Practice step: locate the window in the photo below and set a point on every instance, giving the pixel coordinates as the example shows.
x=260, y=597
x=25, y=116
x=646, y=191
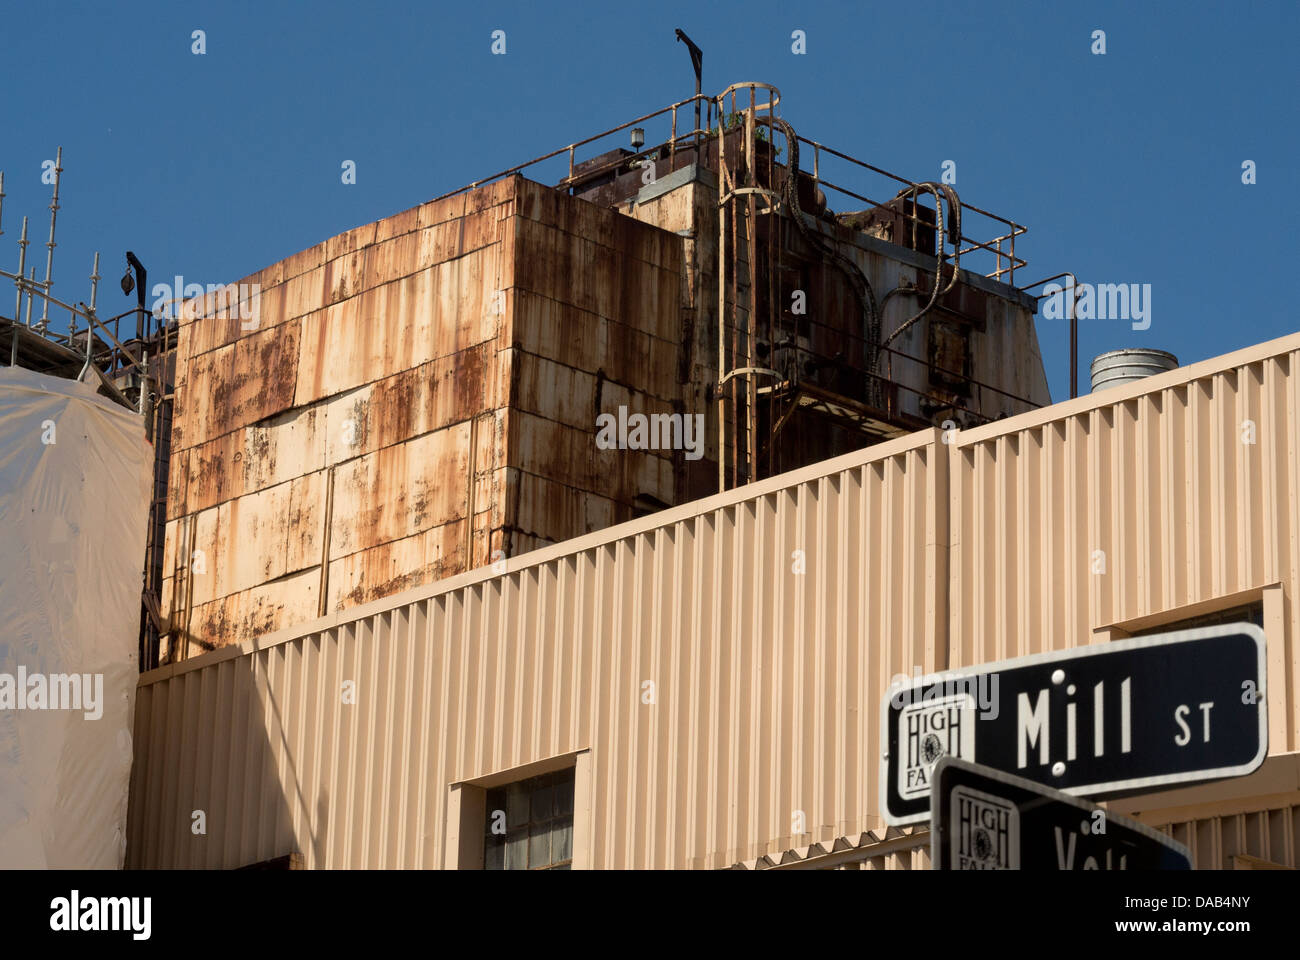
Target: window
x=529, y=824
x=1249, y=612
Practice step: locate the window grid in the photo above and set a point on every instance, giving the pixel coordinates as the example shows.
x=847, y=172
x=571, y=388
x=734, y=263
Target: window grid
x=536, y=816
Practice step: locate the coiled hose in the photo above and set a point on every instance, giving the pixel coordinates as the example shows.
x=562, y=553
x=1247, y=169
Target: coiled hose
x=941, y=192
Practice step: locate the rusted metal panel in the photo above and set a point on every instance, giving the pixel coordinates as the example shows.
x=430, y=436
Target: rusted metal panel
x=435, y=313
x=672, y=211
x=553, y=510
x=440, y=211
x=214, y=472
x=184, y=340
x=410, y=350
x=236, y=385
x=446, y=241
x=358, y=238
x=177, y=482
x=257, y=538
x=556, y=391
x=587, y=342
x=305, y=261
x=491, y=194
x=474, y=232
x=344, y=275
x=581, y=273
x=399, y=490
x=602, y=226
x=433, y=395
x=257, y=611
x=570, y=458
x=305, y=524
x=270, y=276
x=222, y=318
x=260, y=381
x=488, y=534
x=407, y=351
x=284, y=447
x=395, y=565
x=552, y=450
x=393, y=260
x=464, y=296
x=304, y=293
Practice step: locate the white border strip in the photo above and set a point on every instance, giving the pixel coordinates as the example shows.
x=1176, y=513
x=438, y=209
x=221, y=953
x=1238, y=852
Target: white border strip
x=1051, y=793
x=1081, y=653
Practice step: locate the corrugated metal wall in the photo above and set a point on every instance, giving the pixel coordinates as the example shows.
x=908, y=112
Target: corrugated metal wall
x=1135, y=501
x=1270, y=834
x=767, y=680
x=763, y=707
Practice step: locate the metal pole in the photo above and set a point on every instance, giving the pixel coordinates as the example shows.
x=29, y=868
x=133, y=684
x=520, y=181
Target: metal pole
x=94, y=293
x=697, y=61
x=94, y=282
x=22, y=272
x=722, y=306
x=90, y=331
x=49, y=247
x=1074, y=341
x=31, y=282
x=144, y=383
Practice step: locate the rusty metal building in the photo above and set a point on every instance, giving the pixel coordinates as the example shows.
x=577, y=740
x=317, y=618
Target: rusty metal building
x=420, y=396
x=768, y=621
x=430, y=598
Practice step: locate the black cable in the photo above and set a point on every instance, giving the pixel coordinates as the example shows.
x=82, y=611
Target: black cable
x=940, y=191
x=857, y=279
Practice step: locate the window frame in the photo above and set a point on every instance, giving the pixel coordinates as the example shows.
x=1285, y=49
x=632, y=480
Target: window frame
x=466, y=818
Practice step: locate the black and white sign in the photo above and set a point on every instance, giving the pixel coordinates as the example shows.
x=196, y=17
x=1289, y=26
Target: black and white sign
x=984, y=819
x=1103, y=720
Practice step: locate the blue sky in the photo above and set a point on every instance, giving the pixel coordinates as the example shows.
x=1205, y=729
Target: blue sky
x=1125, y=167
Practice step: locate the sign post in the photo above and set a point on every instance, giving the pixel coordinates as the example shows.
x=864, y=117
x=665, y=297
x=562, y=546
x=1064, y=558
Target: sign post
x=1103, y=721
x=987, y=820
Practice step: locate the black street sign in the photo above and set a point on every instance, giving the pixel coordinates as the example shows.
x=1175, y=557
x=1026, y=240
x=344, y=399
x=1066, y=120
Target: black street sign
x=984, y=819
x=1104, y=720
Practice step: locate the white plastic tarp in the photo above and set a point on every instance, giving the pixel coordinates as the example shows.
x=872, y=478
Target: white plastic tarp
x=75, y=477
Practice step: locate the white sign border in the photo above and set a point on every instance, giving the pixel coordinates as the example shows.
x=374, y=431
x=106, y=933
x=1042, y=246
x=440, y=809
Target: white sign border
x=1080, y=653
x=1051, y=793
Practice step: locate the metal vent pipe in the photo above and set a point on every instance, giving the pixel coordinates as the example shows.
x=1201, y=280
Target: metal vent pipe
x=1116, y=367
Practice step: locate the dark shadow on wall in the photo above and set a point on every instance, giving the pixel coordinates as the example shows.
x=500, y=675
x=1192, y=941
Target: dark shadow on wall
x=210, y=756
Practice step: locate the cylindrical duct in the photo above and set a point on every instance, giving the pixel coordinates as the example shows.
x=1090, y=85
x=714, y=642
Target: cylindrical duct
x=1116, y=367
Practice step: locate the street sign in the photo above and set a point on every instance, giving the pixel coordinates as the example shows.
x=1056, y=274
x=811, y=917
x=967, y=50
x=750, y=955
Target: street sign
x=984, y=819
x=1104, y=720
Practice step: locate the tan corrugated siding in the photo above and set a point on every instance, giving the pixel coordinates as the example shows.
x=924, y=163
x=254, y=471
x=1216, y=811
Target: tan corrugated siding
x=764, y=694
x=1162, y=484
x=1271, y=834
x=919, y=554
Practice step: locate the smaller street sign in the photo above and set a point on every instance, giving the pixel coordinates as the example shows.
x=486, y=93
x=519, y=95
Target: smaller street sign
x=984, y=819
